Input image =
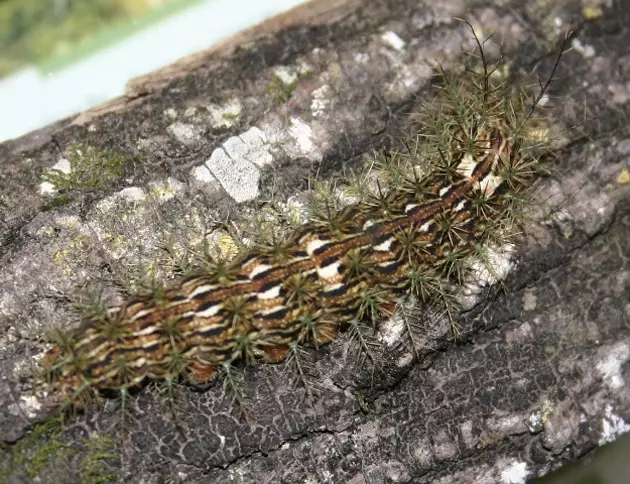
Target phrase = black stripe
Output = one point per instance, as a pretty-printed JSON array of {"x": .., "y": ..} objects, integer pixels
[
  {"x": 207, "y": 305},
  {"x": 215, "y": 330},
  {"x": 390, "y": 268},
  {"x": 340, "y": 291},
  {"x": 323, "y": 248},
  {"x": 329, "y": 261},
  {"x": 278, "y": 314},
  {"x": 270, "y": 285}
]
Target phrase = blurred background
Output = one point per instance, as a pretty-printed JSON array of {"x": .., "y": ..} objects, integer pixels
[{"x": 59, "y": 57}]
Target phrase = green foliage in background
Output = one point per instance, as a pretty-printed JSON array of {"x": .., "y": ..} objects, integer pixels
[{"x": 34, "y": 30}]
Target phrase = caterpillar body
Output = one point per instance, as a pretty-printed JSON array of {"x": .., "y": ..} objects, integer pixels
[{"x": 350, "y": 265}]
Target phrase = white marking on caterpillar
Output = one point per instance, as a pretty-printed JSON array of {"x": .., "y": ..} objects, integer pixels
[
  {"x": 141, "y": 314},
  {"x": 259, "y": 269},
  {"x": 314, "y": 244},
  {"x": 424, "y": 227},
  {"x": 329, "y": 271},
  {"x": 384, "y": 246},
  {"x": 460, "y": 206},
  {"x": 274, "y": 310},
  {"x": 466, "y": 166},
  {"x": 203, "y": 289},
  {"x": 444, "y": 190},
  {"x": 211, "y": 311},
  {"x": 272, "y": 293}
]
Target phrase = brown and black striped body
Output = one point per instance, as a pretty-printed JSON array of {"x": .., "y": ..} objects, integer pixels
[{"x": 354, "y": 266}]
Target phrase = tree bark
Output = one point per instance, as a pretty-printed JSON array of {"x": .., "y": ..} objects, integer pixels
[{"x": 538, "y": 375}]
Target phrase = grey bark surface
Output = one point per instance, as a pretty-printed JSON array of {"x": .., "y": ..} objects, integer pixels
[{"x": 539, "y": 374}]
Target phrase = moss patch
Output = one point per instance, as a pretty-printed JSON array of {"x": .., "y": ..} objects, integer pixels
[
  {"x": 90, "y": 169},
  {"x": 94, "y": 469},
  {"x": 37, "y": 449},
  {"x": 58, "y": 201},
  {"x": 43, "y": 450},
  {"x": 280, "y": 91}
]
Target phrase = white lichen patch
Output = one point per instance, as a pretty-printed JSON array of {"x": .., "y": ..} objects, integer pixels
[
  {"x": 132, "y": 194},
  {"x": 321, "y": 100},
  {"x": 490, "y": 267},
  {"x": 612, "y": 426},
  {"x": 162, "y": 191},
  {"x": 444, "y": 448},
  {"x": 564, "y": 222},
  {"x": 46, "y": 232},
  {"x": 255, "y": 146},
  {"x": 170, "y": 114},
  {"x": 225, "y": 115},
  {"x": 68, "y": 221},
  {"x": 238, "y": 176},
  {"x": 191, "y": 113},
  {"x": 534, "y": 421},
  {"x": 529, "y": 300},
  {"x": 507, "y": 425},
  {"x": 408, "y": 78},
  {"x": 610, "y": 366},
  {"x": 422, "y": 454},
  {"x": 392, "y": 330},
  {"x": 302, "y": 133},
  {"x": 202, "y": 174},
  {"x": 368, "y": 433},
  {"x": 521, "y": 334},
  {"x": 185, "y": 133},
  {"x": 47, "y": 188},
  {"x": 495, "y": 265},
  {"x": 235, "y": 165},
  {"x": 28, "y": 405},
  {"x": 361, "y": 58},
  {"x": 466, "y": 431},
  {"x": 296, "y": 139},
  {"x": 404, "y": 360},
  {"x": 513, "y": 471},
  {"x": 288, "y": 75},
  {"x": 392, "y": 40},
  {"x": 128, "y": 194},
  {"x": 345, "y": 195}
]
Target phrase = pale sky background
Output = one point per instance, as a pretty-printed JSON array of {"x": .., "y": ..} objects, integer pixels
[{"x": 30, "y": 99}]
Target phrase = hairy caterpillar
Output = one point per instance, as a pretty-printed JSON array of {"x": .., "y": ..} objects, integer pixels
[{"x": 459, "y": 194}]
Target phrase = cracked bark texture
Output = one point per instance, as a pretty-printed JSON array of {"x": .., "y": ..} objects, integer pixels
[{"x": 539, "y": 374}]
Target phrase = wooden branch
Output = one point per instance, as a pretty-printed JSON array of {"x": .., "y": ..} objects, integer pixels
[{"x": 538, "y": 376}]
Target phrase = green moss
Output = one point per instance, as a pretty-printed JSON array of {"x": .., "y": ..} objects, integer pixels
[
  {"x": 40, "y": 447},
  {"x": 90, "y": 169},
  {"x": 43, "y": 449},
  {"x": 280, "y": 92},
  {"x": 58, "y": 201},
  {"x": 93, "y": 468},
  {"x": 233, "y": 117}
]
